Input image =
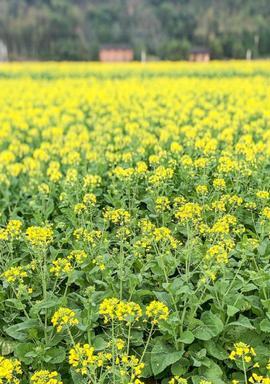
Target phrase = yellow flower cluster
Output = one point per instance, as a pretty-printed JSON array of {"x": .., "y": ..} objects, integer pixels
[
  {"x": 14, "y": 274},
  {"x": 157, "y": 311},
  {"x": 117, "y": 216},
  {"x": 64, "y": 317},
  {"x": 242, "y": 351},
  {"x": 256, "y": 379},
  {"x": 39, "y": 236},
  {"x": 177, "y": 380},
  {"x": 45, "y": 377},
  {"x": 85, "y": 360},
  {"x": 12, "y": 230},
  {"x": 115, "y": 309},
  {"x": 61, "y": 266},
  {"x": 90, "y": 236},
  {"x": 81, "y": 357},
  {"x": 189, "y": 212},
  {"x": 10, "y": 369},
  {"x": 162, "y": 203}
]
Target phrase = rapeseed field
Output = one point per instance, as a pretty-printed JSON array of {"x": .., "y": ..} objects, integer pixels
[{"x": 135, "y": 223}]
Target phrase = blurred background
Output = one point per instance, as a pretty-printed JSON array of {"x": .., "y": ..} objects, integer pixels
[{"x": 125, "y": 30}]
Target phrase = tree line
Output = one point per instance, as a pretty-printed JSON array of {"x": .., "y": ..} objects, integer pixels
[{"x": 166, "y": 29}]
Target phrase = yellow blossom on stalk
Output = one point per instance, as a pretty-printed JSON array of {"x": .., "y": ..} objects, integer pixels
[
  {"x": 178, "y": 201},
  {"x": 188, "y": 211},
  {"x": 81, "y": 358},
  {"x": 242, "y": 351},
  {"x": 117, "y": 216},
  {"x": 14, "y": 227},
  {"x": 10, "y": 369},
  {"x": 264, "y": 195},
  {"x": 219, "y": 183},
  {"x": 39, "y": 236},
  {"x": 99, "y": 262},
  {"x": 54, "y": 171},
  {"x": 205, "y": 382},
  {"x": 218, "y": 253},
  {"x": 71, "y": 176},
  {"x": 160, "y": 175},
  {"x": 164, "y": 234},
  {"x": 89, "y": 199},
  {"x": 123, "y": 173},
  {"x": 61, "y": 266},
  {"x": 177, "y": 380},
  {"x": 115, "y": 309},
  {"x": 141, "y": 168},
  {"x": 79, "y": 208},
  {"x": 186, "y": 161},
  {"x": 176, "y": 147},
  {"x": 256, "y": 379},
  {"x": 108, "y": 309},
  {"x": 3, "y": 234},
  {"x": 14, "y": 274},
  {"x": 45, "y": 377},
  {"x": 128, "y": 311},
  {"x": 44, "y": 189},
  {"x": 222, "y": 225},
  {"x": 78, "y": 255},
  {"x": 157, "y": 311},
  {"x": 64, "y": 317},
  {"x": 268, "y": 365},
  {"x": 250, "y": 205},
  {"x": 202, "y": 189},
  {"x": 201, "y": 162},
  {"x": 120, "y": 344},
  {"x": 146, "y": 226},
  {"x": 91, "y": 181},
  {"x": 266, "y": 212},
  {"x": 162, "y": 203}
]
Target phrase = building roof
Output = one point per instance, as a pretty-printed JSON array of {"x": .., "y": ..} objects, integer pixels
[{"x": 121, "y": 47}]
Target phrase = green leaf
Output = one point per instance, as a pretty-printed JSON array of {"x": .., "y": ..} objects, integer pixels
[
  {"x": 231, "y": 310},
  {"x": 17, "y": 331},
  {"x": 6, "y": 346},
  {"x": 186, "y": 337},
  {"x": 242, "y": 322},
  {"x": 163, "y": 355},
  {"x": 180, "y": 367},
  {"x": 212, "y": 373},
  {"x": 216, "y": 350},
  {"x": 55, "y": 355},
  {"x": 99, "y": 343},
  {"x": 265, "y": 325},
  {"x": 77, "y": 378},
  {"x": 26, "y": 352},
  {"x": 210, "y": 326}
]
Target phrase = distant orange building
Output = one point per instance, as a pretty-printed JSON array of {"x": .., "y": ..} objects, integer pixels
[
  {"x": 116, "y": 53},
  {"x": 199, "y": 55}
]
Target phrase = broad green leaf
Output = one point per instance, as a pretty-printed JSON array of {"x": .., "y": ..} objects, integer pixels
[
  {"x": 242, "y": 322},
  {"x": 99, "y": 343},
  {"x": 265, "y": 325},
  {"x": 7, "y": 346},
  {"x": 19, "y": 331},
  {"x": 216, "y": 350},
  {"x": 186, "y": 337},
  {"x": 163, "y": 355},
  {"x": 26, "y": 352},
  {"x": 210, "y": 326},
  {"x": 231, "y": 310}
]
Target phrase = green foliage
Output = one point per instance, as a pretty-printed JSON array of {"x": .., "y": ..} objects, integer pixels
[{"x": 68, "y": 30}]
